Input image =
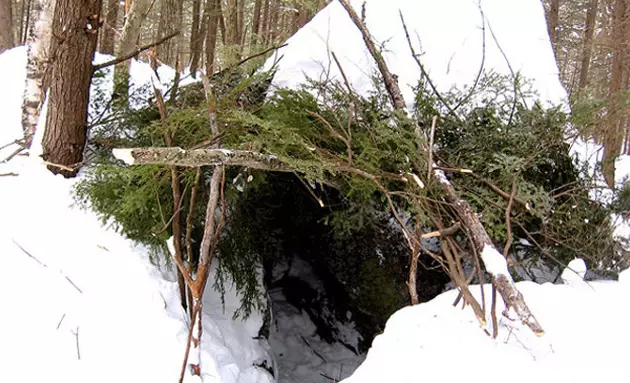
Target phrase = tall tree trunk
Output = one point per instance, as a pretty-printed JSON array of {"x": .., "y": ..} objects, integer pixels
[
  {"x": 197, "y": 48},
  {"x": 131, "y": 31},
  {"x": 264, "y": 28},
  {"x": 109, "y": 33},
  {"x": 591, "y": 15},
  {"x": 256, "y": 22},
  {"x": 38, "y": 50},
  {"x": 6, "y": 25},
  {"x": 170, "y": 22},
  {"x": 75, "y": 24},
  {"x": 195, "y": 26},
  {"x": 211, "y": 38},
  {"x": 614, "y": 129},
  {"x": 552, "y": 22}
]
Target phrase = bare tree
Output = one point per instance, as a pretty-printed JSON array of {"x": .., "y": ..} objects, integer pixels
[
  {"x": 170, "y": 22},
  {"x": 75, "y": 28},
  {"x": 6, "y": 25}
]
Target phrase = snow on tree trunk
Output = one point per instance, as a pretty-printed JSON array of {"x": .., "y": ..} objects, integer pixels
[
  {"x": 75, "y": 27},
  {"x": 38, "y": 55}
]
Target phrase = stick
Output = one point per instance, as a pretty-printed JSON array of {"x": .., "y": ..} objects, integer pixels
[
  {"x": 134, "y": 53},
  {"x": 431, "y": 148}
]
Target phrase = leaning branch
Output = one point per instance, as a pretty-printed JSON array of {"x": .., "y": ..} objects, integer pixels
[
  {"x": 495, "y": 263},
  {"x": 134, "y": 53}
]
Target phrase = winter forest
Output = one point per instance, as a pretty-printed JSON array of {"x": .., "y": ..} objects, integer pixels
[{"x": 313, "y": 191}]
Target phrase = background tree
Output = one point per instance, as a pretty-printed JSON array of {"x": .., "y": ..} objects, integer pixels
[
  {"x": 109, "y": 32},
  {"x": 6, "y": 25}
]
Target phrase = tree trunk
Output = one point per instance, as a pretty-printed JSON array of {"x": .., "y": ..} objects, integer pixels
[
  {"x": 197, "y": 48},
  {"x": 264, "y": 28},
  {"x": 211, "y": 38},
  {"x": 170, "y": 22},
  {"x": 614, "y": 129},
  {"x": 195, "y": 26},
  {"x": 256, "y": 22},
  {"x": 552, "y": 22},
  {"x": 6, "y": 25},
  {"x": 36, "y": 67},
  {"x": 131, "y": 31},
  {"x": 109, "y": 33},
  {"x": 591, "y": 15},
  {"x": 75, "y": 23}
]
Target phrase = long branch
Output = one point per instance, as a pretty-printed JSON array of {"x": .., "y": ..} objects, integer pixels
[{"x": 134, "y": 53}]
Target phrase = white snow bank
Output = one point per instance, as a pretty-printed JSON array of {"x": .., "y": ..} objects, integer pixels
[
  {"x": 574, "y": 272},
  {"x": 81, "y": 303},
  {"x": 586, "y": 339},
  {"x": 451, "y": 44}
]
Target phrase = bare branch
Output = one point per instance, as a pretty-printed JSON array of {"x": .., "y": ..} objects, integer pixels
[{"x": 134, "y": 53}]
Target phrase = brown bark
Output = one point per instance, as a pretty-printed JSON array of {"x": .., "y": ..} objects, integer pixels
[
  {"x": 614, "y": 123},
  {"x": 109, "y": 31},
  {"x": 211, "y": 38},
  {"x": 197, "y": 44},
  {"x": 195, "y": 25},
  {"x": 552, "y": 22},
  {"x": 170, "y": 22},
  {"x": 264, "y": 28},
  {"x": 256, "y": 22},
  {"x": 591, "y": 15},
  {"x": 6, "y": 25},
  {"x": 75, "y": 25}
]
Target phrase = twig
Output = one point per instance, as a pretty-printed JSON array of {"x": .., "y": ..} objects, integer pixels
[
  {"x": 134, "y": 53},
  {"x": 430, "y": 163},
  {"x": 444, "y": 232},
  {"x": 493, "y": 313},
  {"x": 313, "y": 348},
  {"x": 424, "y": 72},
  {"x": 11, "y": 174},
  {"x": 508, "y": 223},
  {"x": 60, "y": 320},
  {"x": 76, "y": 335},
  {"x": 15, "y": 153},
  {"x": 246, "y": 59}
]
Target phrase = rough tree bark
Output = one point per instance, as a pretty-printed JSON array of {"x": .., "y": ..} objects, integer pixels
[
  {"x": 6, "y": 25},
  {"x": 614, "y": 129},
  {"x": 36, "y": 66},
  {"x": 552, "y": 22},
  {"x": 75, "y": 25},
  {"x": 131, "y": 31},
  {"x": 211, "y": 38},
  {"x": 109, "y": 33},
  {"x": 170, "y": 22},
  {"x": 256, "y": 22},
  {"x": 591, "y": 14}
]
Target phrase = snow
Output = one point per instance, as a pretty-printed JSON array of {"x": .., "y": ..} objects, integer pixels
[
  {"x": 80, "y": 303},
  {"x": 494, "y": 262},
  {"x": 574, "y": 272},
  {"x": 124, "y": 155},
  {"x": 451, "y": 47},
  {"x": 586, "y": 332}
]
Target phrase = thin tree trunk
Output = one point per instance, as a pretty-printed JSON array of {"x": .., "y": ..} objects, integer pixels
[
  {"x": 264, "y": 28},
  {"x": 552, "y": 22},
  {"x": 614, "y": 129},
  {"x": 131, "y": 31},
  {"x": 170, "y": 22},
  {"x": 591, "y": 15},
  {"x": 109, "y": 33},
  {"x": 6, "y": 25},
  {"x": 256, "y": 22},
  {"x": 75, "y": 23},
  {"x": 197, "y": 49},
  {"x": 211, "y": 38},
  {"x": 195, "y": 26},
  {"x": 38, "y": 50}
]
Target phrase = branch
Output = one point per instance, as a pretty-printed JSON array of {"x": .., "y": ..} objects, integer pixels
[
  {"x": 134, "y": 53},
  {"x": 200, "y": 157}
]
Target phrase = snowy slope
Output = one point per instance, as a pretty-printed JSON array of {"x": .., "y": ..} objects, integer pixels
[
  {"x": 451, "y": 41},
  {"x": 587, "y": 338},
  {"x": 80, "y": 303}
]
